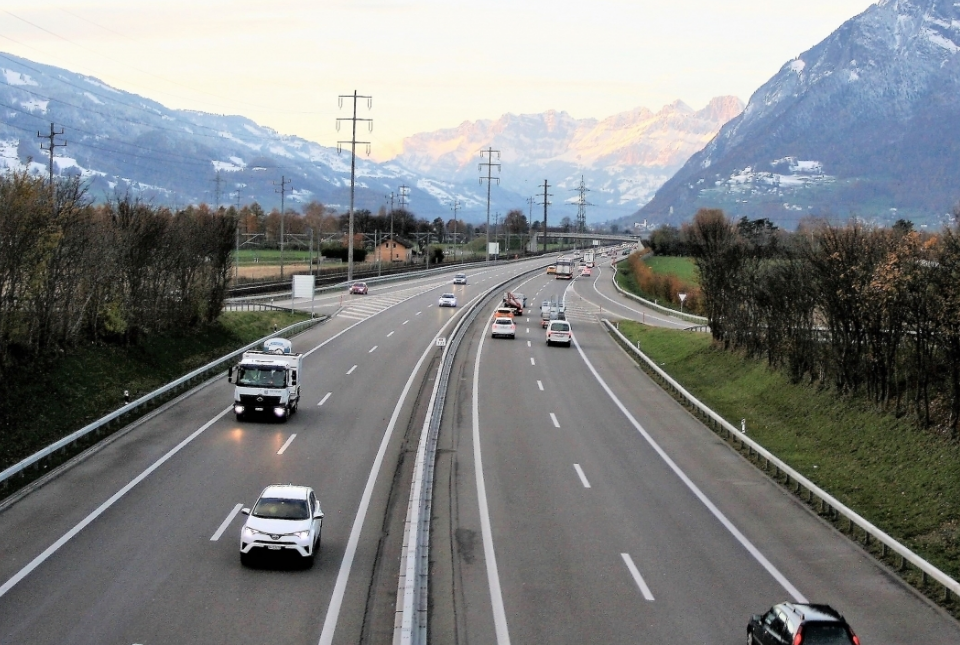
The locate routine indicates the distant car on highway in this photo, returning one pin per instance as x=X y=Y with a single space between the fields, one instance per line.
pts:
x=559 y=332
x=799 y=624
x=447 y=300
x=359 y=287
x=460 y=278
x=503 y=326
x=552 y=269
x=585 y=272
x=285 y=520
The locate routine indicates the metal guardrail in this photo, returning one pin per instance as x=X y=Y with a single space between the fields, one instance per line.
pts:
x=36 y=459
x=828 y=504
x=653 y=305
x=412 y=591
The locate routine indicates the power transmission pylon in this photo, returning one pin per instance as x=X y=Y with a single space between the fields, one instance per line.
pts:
x=52 y=146
x=353 y=164
x=546 y=202
x=489 y=178
x=283 y=191
x=217 y=180
x=582 y=204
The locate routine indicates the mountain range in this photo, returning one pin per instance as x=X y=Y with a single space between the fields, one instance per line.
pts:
x=121 y=143
x=866 y=124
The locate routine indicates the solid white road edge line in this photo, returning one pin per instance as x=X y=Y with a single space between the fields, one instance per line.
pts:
x=493 y=576
x=50 y=550
x=740 y=537
x=644 y=589
x=223 y=527
x=287 y=443
x=583 y=478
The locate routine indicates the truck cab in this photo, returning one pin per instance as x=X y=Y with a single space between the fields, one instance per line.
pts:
x=267 y=384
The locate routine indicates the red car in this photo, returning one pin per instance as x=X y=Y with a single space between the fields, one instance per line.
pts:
x=359 y=287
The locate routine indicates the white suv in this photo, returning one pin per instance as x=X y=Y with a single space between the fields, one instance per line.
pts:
x=558 y=331
x=285 y=519
x=503 y=326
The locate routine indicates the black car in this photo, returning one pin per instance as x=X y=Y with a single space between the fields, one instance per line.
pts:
x=791 y=623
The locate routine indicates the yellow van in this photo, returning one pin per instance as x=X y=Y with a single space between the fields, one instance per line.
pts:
x=552 y=269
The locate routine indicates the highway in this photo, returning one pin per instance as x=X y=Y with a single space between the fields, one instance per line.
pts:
x=575 y=502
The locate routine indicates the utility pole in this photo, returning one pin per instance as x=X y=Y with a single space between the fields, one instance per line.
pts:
x=353 y=164
x=283 y=191
x=545 y=203
x=455 y=208
x=489 y=164
x=582 y=204
x=392 y=243
x=52 y=146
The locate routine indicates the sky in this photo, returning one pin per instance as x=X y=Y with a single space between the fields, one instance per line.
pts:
x=426 y=64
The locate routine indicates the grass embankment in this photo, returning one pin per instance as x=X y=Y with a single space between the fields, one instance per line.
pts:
x=87 y=382
x=904 y=480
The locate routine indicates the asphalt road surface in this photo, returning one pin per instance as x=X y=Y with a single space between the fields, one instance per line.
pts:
x=575 y=502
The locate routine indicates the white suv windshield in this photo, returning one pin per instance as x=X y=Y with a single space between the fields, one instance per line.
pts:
x=281 y=509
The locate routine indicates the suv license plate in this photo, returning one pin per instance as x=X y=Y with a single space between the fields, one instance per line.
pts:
x=273 y=547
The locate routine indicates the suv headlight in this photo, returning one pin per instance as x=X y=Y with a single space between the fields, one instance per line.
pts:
x=302 y=534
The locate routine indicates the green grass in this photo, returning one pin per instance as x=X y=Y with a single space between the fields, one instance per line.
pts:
x=87 y=382
x=683 y=268
x=903 y=480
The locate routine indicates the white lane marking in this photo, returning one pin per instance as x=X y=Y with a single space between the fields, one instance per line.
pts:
x=532 y=362
x=583 y=478
x=324 y=399
x=223 y=527
x=350 y=371
x=528 y=320
x=419 y=312
x=405 y=322
x=644 y=589
x=528 y=330
x=391 y=334
x=373 y=349
x=343 y=575
x=50 y=550
x=528 y=344
x=553 y=417
x=287 y=443
x=540 y=385
x=740 y=537
x=489 y=556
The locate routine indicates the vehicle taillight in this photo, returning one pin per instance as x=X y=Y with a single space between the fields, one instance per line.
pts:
x=856 y=641
x=798 y=639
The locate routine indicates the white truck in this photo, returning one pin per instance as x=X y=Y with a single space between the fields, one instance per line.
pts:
x=267 y=384
x=588 y=257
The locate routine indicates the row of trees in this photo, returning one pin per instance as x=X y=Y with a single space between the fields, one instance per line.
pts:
x=74 y=272
x=263 y=229
x=866 y=310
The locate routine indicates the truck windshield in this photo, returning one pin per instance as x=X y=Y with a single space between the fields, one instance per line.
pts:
x=260 y=377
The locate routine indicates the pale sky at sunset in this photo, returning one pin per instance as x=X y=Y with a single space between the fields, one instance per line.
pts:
x=428 y=64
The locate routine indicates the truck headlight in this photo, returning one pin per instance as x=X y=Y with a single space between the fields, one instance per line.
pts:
x=237 y=408
x=279 y=411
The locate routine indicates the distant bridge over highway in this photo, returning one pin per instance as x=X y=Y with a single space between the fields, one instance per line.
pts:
x=588 y=238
